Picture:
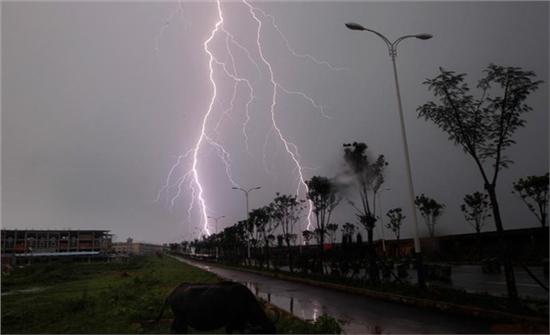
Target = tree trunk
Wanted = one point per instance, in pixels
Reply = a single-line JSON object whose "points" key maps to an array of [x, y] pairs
{"points": [[289, 256], [398, 251], [322, 249], [508, 268], [373, 268], [479, 245], [267, 254]]}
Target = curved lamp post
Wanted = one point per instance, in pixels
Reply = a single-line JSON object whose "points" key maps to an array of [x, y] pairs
{"points": [[392, 49], [247, 210]]}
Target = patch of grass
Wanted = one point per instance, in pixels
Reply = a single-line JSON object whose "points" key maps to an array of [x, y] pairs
{"points": [[325, 324], [103, 297]]}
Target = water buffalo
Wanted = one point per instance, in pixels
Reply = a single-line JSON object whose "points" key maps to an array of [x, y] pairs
{"points": [[212, 306]]}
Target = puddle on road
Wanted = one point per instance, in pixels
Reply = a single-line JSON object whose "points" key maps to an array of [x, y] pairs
{"points": [[306, 309]]}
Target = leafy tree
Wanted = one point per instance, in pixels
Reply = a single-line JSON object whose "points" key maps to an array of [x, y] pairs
{"points": [[533, 191], [261, 218], [291, 238], [396, 221], [319, 235], [475, 209], [332, 228], [369, 177], [307, 235], [347, 232], [323, 196], [430, 210], [285, 210], [280, 240], [483, 126]]}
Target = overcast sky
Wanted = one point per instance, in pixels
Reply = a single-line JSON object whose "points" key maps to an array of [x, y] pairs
{"points": [[99, 99]]}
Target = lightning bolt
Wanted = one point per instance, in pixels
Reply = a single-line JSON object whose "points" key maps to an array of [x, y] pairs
{"points": [[290, 147], [228, 67], [202, 136]]}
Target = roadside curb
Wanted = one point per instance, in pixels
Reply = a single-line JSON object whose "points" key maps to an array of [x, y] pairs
{"points": [[407, 300]]}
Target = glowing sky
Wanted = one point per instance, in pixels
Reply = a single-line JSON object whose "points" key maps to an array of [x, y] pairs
{"points": [[100, 99]]}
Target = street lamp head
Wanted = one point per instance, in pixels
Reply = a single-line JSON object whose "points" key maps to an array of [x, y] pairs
{"points": [[354, 26], [424, 36], [235, 188]]}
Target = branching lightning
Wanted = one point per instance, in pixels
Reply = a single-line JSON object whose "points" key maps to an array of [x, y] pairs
{"points": [[191, 176]]}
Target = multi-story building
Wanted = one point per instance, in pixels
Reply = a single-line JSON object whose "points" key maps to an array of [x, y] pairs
{"points": [[37, 243], [130, 248]]}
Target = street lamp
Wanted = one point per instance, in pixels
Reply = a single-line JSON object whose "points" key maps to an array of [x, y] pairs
{"points": [[248, 211], [392, 48], [216, 222], [216, 229]]}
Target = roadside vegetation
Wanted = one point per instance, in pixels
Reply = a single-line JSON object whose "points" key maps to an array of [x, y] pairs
{"points": [[107, 298], [484, 126]]}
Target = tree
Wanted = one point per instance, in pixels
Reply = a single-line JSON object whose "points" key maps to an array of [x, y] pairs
{"points": [[430, 210], [261, 218], [533, 191], [369, 177], [307, 235], [347, 232], [476, 211], [396, 221], [483, 127], [332, 228], [285, 210], [323, 196], [319, 235]]}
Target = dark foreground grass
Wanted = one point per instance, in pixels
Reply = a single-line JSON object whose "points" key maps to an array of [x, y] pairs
{"points": [[105, 297]]}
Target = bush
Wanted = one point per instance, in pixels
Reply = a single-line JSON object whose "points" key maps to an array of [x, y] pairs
{"points": [[326, 324]]}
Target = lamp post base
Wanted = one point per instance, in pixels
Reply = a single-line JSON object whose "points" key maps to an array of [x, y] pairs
{"points": [[421, 276]]}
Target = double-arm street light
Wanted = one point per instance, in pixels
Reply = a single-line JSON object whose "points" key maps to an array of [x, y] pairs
{"points": [[216, 222], [248, 210], [392, 48]]}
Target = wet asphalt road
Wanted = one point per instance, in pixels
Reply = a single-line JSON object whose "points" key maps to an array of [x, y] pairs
{"points": [[360, 314]]}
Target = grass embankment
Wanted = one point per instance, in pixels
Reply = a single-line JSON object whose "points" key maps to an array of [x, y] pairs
{"points": [[104, 297]]}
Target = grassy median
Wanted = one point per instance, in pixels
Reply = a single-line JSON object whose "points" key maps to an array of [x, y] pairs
{"points": [[105, 297]]}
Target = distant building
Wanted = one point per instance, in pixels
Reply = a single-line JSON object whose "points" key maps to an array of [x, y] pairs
{"points": [[53, 243], [131, 248]]}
